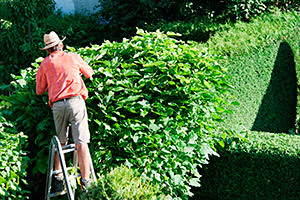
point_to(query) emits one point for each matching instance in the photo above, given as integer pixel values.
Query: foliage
(198, 29)
(13, 162)
(80, 30)
(122, 17)
(153, 105)
(23, 34)
(31, 115)
(123, 183)
(246, 10)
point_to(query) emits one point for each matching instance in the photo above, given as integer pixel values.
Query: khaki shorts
(71, 111)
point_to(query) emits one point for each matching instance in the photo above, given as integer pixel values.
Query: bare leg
(83, 159)
(57, 164)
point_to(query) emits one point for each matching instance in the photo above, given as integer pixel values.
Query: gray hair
(58, 47)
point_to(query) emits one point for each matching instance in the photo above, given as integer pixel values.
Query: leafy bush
(153, 105)
(123, 183)
(13, 162)
(30, 114)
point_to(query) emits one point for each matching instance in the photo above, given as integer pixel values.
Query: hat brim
(52, 44)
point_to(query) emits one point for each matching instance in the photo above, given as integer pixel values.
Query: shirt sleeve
(84, 67)
(41, 82)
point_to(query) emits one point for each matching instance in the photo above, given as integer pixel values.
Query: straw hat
(51, 40)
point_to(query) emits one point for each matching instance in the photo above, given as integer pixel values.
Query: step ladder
(55, 146)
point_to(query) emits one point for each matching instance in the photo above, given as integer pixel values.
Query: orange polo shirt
(59, 74)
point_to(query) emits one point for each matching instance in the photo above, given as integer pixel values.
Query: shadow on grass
(249, 175)
(277, 112)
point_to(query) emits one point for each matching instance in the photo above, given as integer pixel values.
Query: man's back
(59, 73)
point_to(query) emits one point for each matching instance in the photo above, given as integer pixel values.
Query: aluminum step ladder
(55, 146)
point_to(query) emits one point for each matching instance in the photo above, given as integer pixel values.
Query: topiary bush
(153, 106)
(13, 162)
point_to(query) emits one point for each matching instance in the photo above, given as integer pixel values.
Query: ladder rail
(49, 171)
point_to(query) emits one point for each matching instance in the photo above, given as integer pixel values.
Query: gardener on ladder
(59, 74)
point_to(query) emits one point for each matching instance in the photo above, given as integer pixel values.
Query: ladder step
(74, 176)
(68, 146)
(57, 194)
(65, 150)
(59, 171)
(68, 150)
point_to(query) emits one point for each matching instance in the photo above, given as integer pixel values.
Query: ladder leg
(64, 169)
(49, 171)
(75, 165)
(92, 169)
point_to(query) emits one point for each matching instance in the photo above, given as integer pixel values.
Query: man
(60, 75)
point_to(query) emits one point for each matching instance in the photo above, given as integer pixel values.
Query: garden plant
(154, 102)
(162, 107)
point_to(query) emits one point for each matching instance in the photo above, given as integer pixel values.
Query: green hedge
(265, 167)
(263, 71)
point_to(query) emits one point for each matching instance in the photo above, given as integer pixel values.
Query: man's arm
(84, 67)
(41, 82)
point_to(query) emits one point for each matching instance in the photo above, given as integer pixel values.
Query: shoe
(85, 185)
(59, 184)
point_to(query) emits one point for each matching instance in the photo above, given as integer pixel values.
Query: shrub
(30, 114)
(154, 102)
(123, 183)
(13, 162)
(153, 105)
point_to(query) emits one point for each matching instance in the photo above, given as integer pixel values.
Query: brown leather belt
(66, 99)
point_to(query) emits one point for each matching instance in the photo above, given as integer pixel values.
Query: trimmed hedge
(264, 71)
(264, 74)
(266, 167)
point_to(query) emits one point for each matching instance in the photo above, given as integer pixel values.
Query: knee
(81, 147)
